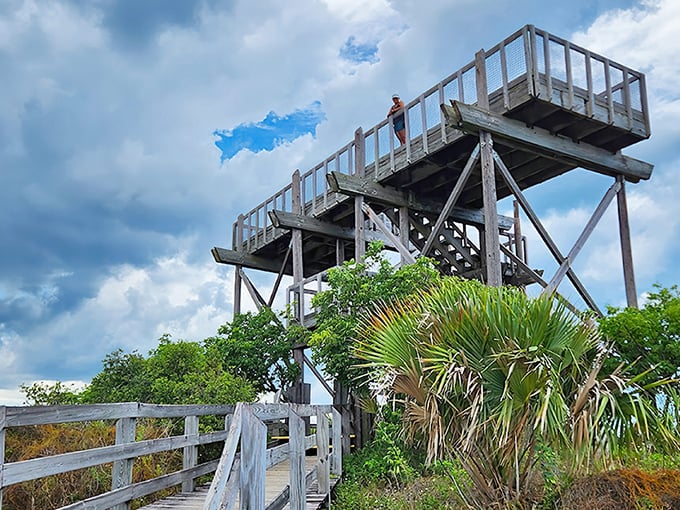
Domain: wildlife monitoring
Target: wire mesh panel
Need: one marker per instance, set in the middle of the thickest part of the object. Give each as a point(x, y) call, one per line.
point(494, 75)
point(515, 58)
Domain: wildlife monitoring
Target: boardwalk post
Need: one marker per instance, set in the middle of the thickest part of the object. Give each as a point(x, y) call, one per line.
point(253, 467)
point(626, 250)
point(489, 197)
point(298, 483)
point(190, 454)
point(122, 469)
point(3, 412)
point(336, 456)
point(322, 465)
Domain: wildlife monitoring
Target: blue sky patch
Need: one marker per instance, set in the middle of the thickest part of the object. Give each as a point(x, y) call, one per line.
point(358, 52)
point(270, 132)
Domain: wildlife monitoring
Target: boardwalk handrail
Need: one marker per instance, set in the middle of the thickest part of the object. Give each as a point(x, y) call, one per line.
point(243, 421)
point(245, 476)
point(121, 453)
point(555, 71)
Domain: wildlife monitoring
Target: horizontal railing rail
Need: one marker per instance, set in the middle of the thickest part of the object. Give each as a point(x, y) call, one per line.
point(121, 454)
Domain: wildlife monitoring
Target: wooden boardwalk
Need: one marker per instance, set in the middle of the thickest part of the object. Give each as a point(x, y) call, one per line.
point(277, 480)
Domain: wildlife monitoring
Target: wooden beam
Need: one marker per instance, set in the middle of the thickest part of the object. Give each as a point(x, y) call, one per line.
point(239, 258)
point(354, 186)
point(492, 256)
point(280, 275)
point(515, 133)
point(590, 226)
point(626, 249)
point(403, 250)
point(552, 247)
point(254, 294)
point(451, 201)
point(287, 220)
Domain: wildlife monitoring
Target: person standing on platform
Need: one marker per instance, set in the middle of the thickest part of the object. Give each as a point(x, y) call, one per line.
point(397, 113)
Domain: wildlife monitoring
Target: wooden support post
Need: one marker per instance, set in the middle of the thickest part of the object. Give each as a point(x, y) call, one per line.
point(519, 244)
point(298, 483)
point(491, 241)
point(626, 249)
point(339, 252)
point(341, 404)
point(190, 458)
point(590, 226)
point(3, 417)
point(298, 267)
point(359, 171)
point(336, 456)
point(404, 231)
point(489, 197)
point(237, 272)
point(122, 469)
point(323, 471)
point(253, 466)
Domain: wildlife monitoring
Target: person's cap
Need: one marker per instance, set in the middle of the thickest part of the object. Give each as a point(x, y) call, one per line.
point(395, 95)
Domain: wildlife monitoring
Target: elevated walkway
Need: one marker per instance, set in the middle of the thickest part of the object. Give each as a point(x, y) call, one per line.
point(533, 78)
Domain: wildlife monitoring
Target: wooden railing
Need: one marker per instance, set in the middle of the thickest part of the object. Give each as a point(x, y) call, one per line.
point(243, 421)
point(121, 454)
point(245, 476)
point(552, 69)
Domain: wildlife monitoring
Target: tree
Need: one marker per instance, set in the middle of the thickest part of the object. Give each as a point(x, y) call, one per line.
point(646, 338)
point(124, 378)
point(258, 348)
point(355, 289)
point(487, 375)
point(45, 394)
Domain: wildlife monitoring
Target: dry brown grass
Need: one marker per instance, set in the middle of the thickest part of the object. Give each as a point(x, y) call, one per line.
point(625, 489)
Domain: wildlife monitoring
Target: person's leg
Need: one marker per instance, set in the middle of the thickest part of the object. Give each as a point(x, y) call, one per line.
point(402, 136)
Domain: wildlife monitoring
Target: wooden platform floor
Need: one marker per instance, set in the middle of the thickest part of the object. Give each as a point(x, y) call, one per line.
point(277, 479)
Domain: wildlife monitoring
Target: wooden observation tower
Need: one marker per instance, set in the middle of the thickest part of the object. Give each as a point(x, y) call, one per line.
point(529, 109)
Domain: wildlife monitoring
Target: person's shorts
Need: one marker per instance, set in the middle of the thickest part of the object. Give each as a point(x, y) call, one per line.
point(399, 123)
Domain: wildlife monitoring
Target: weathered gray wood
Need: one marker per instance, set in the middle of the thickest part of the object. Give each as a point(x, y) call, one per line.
point(253, 469)
point(254, 294)
point(322, 453)
point(298, 487)
point(122, 469)
point(492, 254)
point(517, 230)
point(371, 190)
point(480, 80)
point(237, 273)
point(279, 276)
point(217, 496)
point(585, 234)
point(404, 231)
point(296, 243)
point(25, 470)
point(541, 141)
point(547, 239)
point(626, 248)
point(451, 201)
point(403, 250)
point(318, 375)
point(190, 453)
point(141, 489)
point(359, 170)
point(235, 258)
point(336, 455)
point(41, 415)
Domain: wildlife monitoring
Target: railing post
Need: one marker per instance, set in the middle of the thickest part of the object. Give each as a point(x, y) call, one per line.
point(237, 269)
point(322, 468)
point(3, 414)
point(298, 482)
point(253, 467)
point(190, 457)
point(336, 455)
point(122, 469)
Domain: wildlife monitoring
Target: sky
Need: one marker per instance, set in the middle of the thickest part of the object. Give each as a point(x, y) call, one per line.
point(133, 133)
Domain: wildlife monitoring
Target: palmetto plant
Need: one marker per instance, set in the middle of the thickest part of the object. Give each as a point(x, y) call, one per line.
point(487, 375)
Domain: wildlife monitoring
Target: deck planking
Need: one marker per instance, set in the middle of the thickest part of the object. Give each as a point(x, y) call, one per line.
point(277, 479)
